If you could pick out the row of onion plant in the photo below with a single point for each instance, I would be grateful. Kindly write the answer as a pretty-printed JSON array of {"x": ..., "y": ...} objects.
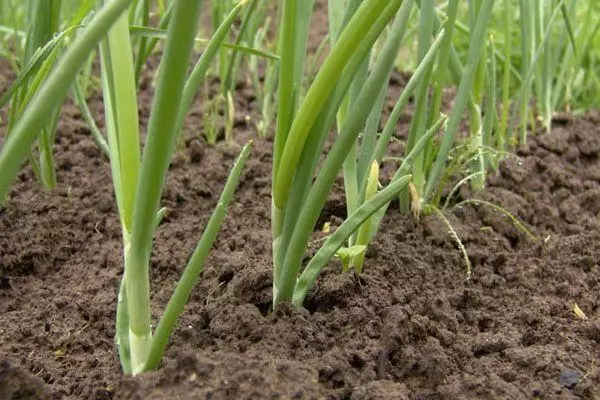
[{"x": 343, "y": 104}]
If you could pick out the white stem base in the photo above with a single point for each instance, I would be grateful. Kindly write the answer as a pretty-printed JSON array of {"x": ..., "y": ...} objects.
[{"x": 140, "y": 349}]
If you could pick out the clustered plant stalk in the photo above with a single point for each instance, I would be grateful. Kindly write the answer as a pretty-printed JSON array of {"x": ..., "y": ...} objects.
[
  {"x": 138, "y": 179},
  {"x": 345, "y": 90},
  {"x": 139, "y": 184}
]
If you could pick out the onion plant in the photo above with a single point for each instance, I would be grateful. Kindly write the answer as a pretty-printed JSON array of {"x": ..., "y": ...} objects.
[
  {"x": 336, "y": 94},
  {"x": 138, "y": 178},
  {"x": 427, "y": 84},
  {"x": 139, "y": 183}
]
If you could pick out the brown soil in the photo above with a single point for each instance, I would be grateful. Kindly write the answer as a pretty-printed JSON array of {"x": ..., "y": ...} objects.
[{"x": 411, "y": 327}]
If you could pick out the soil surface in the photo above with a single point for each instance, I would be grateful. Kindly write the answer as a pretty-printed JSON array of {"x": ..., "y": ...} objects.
[{"x": 411, "y": 327}]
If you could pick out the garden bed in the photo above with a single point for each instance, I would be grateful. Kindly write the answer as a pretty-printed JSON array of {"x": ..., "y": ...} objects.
[{"x": 411, "y": 327}]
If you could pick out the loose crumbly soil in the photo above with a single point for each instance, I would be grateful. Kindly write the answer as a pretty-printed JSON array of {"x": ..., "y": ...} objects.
[{"x": 411, "y": 327}]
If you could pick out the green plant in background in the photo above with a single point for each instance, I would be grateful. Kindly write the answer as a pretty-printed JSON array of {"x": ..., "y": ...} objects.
[
  {"x": 580, "y": 81},
  {"x": 43, "y": 23},
  {"x": 544, "y": 55},
  {"x": 212, "y": 106},
  {"x": 538, "y": 56},
  {"x": 263, "y": 71},
  {"x": 226, "y": 65},
  {"x": 537, "y": 61},
  {"x": 12, "y": 30},
  {"x": 223, "y": 101},
  {"x": 33, "y": 58},
  {"x": 52, "y": 90},
  {"x": 563, "y": 34},
  {"x": 248, "y": 39}
]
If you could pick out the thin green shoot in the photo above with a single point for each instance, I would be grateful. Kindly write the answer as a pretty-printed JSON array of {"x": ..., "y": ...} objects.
[
  {"x": 364, "y": 233},
  {"x": 81, "y": 101},
  {"x": 161, "y": 34},
  {"x": 432, "y": 209},
  {"x": 458, "y": 185},
  {"x": 520, "y": 225}
]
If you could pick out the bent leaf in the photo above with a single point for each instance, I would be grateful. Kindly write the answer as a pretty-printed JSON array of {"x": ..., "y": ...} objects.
[{"x": 339, "y": 237}]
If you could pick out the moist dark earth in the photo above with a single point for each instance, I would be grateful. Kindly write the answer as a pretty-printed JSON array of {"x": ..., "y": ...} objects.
[{"x": 411, "y": 327}]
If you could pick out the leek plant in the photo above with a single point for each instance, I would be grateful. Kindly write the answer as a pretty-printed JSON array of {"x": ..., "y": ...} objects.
[
  {"x": 138, "y": 179},
  {"x": 465, "y": 69},
  {"x": 139, "y": 182},
  {"x": 303, "y": 124},
  {"x": 438, "y": 63},
  {"x": 435, "y": 160},
  {"x": 361, "y": 166}
]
